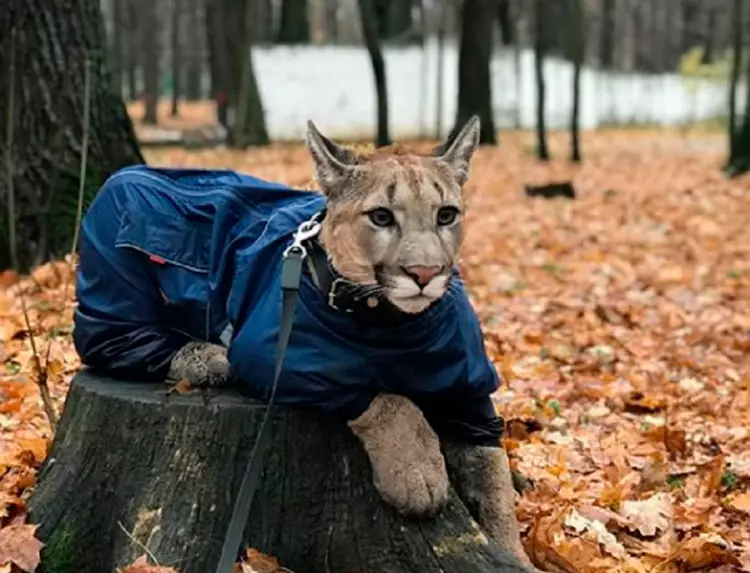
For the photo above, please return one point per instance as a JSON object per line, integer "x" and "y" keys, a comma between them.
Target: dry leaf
{"x": 141, "y": 565}
{"x": 740, "y": 502}
{"x": 19, "y": 545}
{"x": 257, "y": 562}
{"x": 599, "y": 533}
{"x": 182, "y": 387}
{"x": 650, "y": 516}
{"x": 704, "y": 551}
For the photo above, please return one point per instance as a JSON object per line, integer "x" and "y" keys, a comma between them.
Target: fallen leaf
{"x": 257, "y": 562}
{"x": 182, "y": 387}
{"x": 704, "y": 551}
{"x": 598, "y": 531}
{"x": 740, "y": 502}
{"x": 141, "y": 565}
{"x": 649, "y": 516}
{"x": 19, "y": 545}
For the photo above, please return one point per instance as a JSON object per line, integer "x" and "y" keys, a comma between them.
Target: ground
{"x": 620, "y": 323}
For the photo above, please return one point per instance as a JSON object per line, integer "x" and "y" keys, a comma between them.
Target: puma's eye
{"x": 381, "y": 217}
{"x": 446, "y": 216}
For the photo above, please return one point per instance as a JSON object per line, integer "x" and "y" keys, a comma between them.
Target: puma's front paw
{"x": 201, "y": 364}
{"x": 408, "y": 467}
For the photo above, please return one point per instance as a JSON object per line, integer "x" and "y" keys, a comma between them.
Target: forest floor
{"x": 620, "y": 322}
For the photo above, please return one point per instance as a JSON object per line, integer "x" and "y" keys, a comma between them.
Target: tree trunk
{"x": 235, "y": 32}
{"x": 216, "y": 43}
{"x": 149, "y": 29}
{"x": 709, "y": 38}
{"x": 474, "y": 81}
{"x": 175, "y": 36}
{"x": 47, "y": 122}
{"x": 440, "y": 37}
{"x": 194, "y": 63}
{"x": 166, "y": 470}
{"x": 295, "y": 26}
{"x": 332, "y": 20}
{"x": 507, "y": 25}
{"x": 539, "y": 53}
{"x": 369, "y": 19}
{"x": 737, "y": 31}
{"x": 691, "y": 30}
{"x": 607, "y": 34}
{"x": 117, "y": 45}
{"x": 131, "y": 15}
{"x": 576, "y": 19}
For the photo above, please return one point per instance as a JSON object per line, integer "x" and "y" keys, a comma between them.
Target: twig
{"x": 12, "y": 245}
{"x": 49, "y": 408}
{"x": 139, "y": 544}
{"x": 81, "y": 189}
{"x": 84, "y": 152}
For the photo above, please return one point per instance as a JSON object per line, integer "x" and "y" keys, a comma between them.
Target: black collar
{"x": 346, "y": 296}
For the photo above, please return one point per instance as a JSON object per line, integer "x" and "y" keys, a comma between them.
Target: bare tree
{"x": 176, "y": 49}
{"x": 295, "y": 25}
{"x": 43, "y": 101}
{"x": 576, "y": 19}
{"x": 474, "y": 82}
{"x": 194, "y": 64}
{"x": 117, "y": 44}
{"x": 233, "y": 81}
{"x": 607, "y": 34}
{"x": 151, "y": 59}
{"x": 131, "y": 47}
{"x": 539, "y": 52}
{"x": 369, "y": 19}
{"x": 737, "y": 154}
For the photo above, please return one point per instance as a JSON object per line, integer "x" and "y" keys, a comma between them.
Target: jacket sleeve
{"x": 116, "y": 324}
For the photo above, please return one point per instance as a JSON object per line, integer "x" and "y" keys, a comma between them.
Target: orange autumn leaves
{"x": 620, "y": 323}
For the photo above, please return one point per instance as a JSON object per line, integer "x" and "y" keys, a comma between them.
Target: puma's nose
{"x": 422, "y": 275}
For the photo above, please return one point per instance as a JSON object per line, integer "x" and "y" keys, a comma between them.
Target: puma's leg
{"x": 408, "y": 467}
{"x": 483, "y": 480}
{"x": 201, "y": 364}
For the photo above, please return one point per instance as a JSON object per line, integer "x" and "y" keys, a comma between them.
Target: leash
{"x": 291, "y": 277}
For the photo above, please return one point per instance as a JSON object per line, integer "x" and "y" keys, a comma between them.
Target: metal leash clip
{"x": 305, "y": 231}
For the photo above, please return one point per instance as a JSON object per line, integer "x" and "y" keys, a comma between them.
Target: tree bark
{"x": 474, "y": 80}
{"x": 149, "y": 30}
{"x": 577, "y": 19}
{"x": 175, "y": 37}
{"x": 47, "y": 122}
{"x": 369, "y": 19}
{"x": 166, "y": 469}
{"x": 295, "y": 25}
{"x": 539, "y": 53}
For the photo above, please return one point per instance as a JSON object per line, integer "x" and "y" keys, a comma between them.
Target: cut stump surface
{"x": 132, "y": 467}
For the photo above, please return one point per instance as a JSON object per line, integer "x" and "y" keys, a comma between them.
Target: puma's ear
{"x": 333, "y": 163}
{"x": 458, "y": 149}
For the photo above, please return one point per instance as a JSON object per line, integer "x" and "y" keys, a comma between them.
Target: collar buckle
{"x": 332, "y": 293}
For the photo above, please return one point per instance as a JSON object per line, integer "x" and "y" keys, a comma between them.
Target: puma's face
{"x": 394, "y": 219}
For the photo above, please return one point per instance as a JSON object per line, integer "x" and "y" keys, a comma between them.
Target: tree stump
{"x": 134, "y": 467}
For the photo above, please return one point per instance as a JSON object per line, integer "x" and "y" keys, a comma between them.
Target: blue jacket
{"x": 173, "y": 255}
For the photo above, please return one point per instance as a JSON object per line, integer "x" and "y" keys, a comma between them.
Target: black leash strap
{"x": 291, "y": 275}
